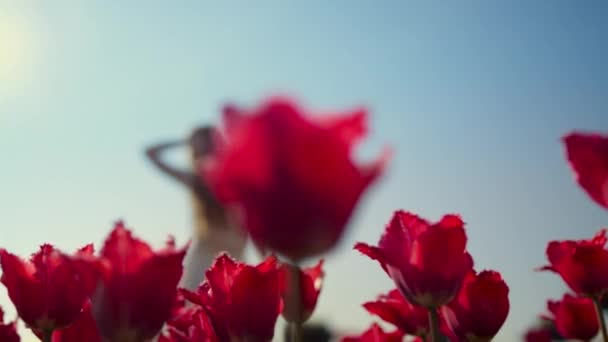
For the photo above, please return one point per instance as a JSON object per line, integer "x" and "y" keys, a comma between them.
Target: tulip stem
{"x": 296, "y": 300}
{"x": 434, "y": 325}
{"x": 600, "y": 317}
{"x": 296, "y": 332}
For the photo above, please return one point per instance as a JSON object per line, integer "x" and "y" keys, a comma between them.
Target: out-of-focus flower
{"x": 8, "y": 331}
{"x": 300, "y": 301}
{"x": 50, "y": 289}
{"x": 83, "y": 329}
{"x": 479, "y": 310}
{"x": 139, "y": 287}
{"x": 375, "y": 334}
{"x": 393, "y": 308}
{"x": 243, "y": 301}
{"x": 588, "y": 157}
{"x": 291, "y": 177}
{"x": 582, "y": 264}
{"x": 426, "y": 261}
{"x": 574, "y": 317}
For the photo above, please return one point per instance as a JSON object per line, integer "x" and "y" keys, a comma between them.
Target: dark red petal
{"x": 588, "y": 157}
{"x": 255, "y": 316}
{"x": 395, "y": 309}
{"x": 557, "y": 251}
{"x": 139, "y": 288}
{"x": 124, "y": 251}
{"x": 155, "y": 288}
{"x": 575, "y": 317}
{"x": 372, "y": 252}
{"x": 480, "y": 308}
{"x": 220, "y": 276}
{"x": 399, "y": 235}
{"x": 581, "y": 264}
{"x": 83, "y": 329}
{"x": 440, "y": 247}
{"x": 24, "y": 289}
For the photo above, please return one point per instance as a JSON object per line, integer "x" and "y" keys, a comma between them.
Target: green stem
{"x": 600, "y": 317}
{"x": 434, "y": 325}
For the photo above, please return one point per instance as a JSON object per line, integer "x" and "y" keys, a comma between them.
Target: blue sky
{"x": 472, "y": 96}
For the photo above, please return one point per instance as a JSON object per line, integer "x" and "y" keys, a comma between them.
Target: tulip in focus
{"x": 408, "y": 318}
{"x": 50, "y": 289}
{"x": 479, "y": 310}
{"x": 290, "y": 176}
{"x": 588, "y": 157}
{"x": 574, "y": 317}
{"x": 582, "y": 264}
{"x": 242, "y": 301}
{"x": 192, "y": 325}
{"x": 139, "y": 286}
{"x": 427, "y": 261}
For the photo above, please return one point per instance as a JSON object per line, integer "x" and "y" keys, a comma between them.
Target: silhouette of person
{"x": 213, "y": 231}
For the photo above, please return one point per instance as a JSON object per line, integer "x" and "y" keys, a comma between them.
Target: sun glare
{"x": 14, "y": 48}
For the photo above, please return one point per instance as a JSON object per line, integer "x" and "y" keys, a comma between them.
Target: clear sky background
{"x": 473, "y": 97}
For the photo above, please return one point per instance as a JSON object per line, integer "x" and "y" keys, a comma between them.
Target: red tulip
{"x": 376, "y": 334}
{"x": 192, "y": 325}
{"x": 407, "y": 317}
{"x": 50, "y": 290}
{"x": 83, "y": 329}
{"x": 588, "y": 157}
{"x": 138, "y": 289}
{"x": 574, "y": 317}
{"x": 480, "y": 308}
{"x": 582, "y": 264}
{"x": 426, "y": 261}
{"x": 300, "y": 301}
{"x": 292, "y": 177}
{"x": 243, "y": 301}
{"x": 8, "y": 331}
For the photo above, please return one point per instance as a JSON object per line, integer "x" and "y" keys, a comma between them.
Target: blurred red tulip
{"x": 574, "y": 317}
{"x": 8, "y": 331}
{"x": 243, "y": 301}
{"x": 50, "y": 290}
{"x": 299, "y": 306}
{"x": 83, "y": 329}
{"x": 582, "y": 264}
{"x": 588, "y": 157}
{"x": 479, "y": 310}
{"x": 138, "y": 289}
{"x": 426, "y": 261}
{"x": 376, "y": 334}
{"x": 291, "y": 177}
{"x": 411, "y": 319}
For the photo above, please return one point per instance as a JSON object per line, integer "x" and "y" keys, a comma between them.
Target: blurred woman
{"x": 213, "y": 232}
